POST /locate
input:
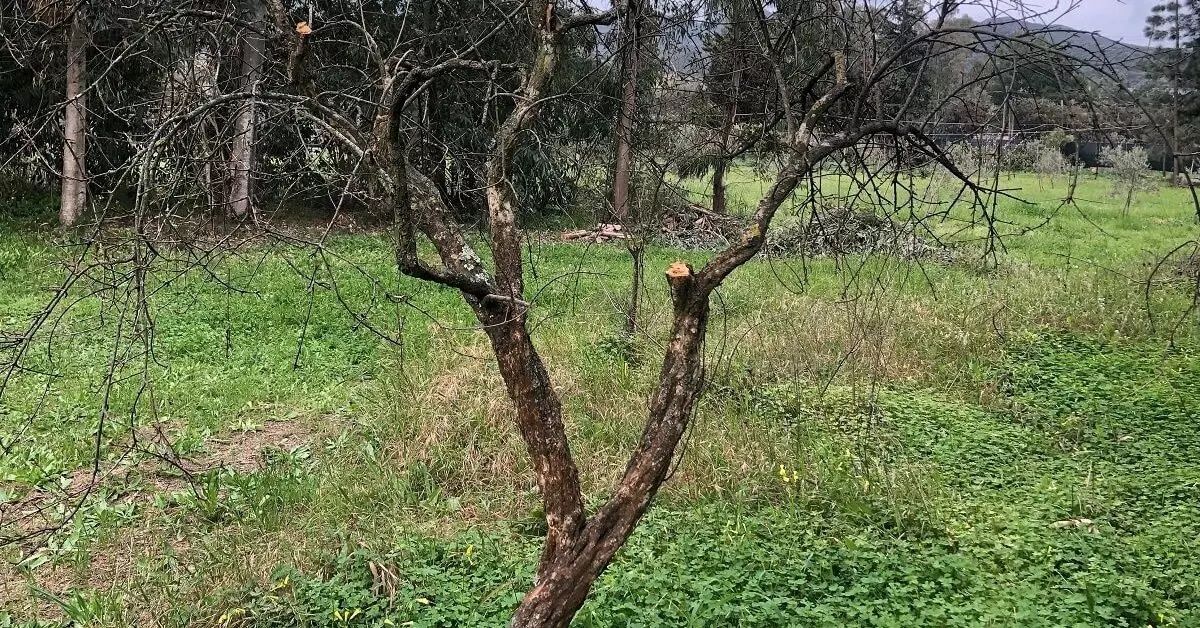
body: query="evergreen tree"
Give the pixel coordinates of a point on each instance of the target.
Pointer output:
(1175, 28)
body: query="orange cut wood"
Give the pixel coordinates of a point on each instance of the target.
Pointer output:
(679, 269)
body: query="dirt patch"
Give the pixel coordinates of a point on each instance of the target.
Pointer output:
(245, 451)
(148, 466)
(108, 568)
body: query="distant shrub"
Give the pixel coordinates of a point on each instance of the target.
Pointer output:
(977, 162)
(1049, 161)
(1131, 170)
(1019, 157)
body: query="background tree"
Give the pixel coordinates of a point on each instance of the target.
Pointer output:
(630, 45)
(738, 84)
(241, 161)
(69, 19)
(1178, 25)
(75, 178)
(1129, 164)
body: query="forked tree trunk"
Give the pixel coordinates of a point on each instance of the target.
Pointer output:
(241, 158)
(74, 172)
(577, 551)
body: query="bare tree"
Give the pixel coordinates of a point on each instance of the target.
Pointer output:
(728, 64)
(824, 81)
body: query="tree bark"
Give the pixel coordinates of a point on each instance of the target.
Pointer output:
(718, 185)
(629, 81)
(241, 159)
(566, 576)
(622, 170)
(638, 252)
(1175, 86)
(539, 412)
(540, 421)
(74, 172)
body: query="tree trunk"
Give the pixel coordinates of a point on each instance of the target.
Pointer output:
(622, 170)
(540, 421)
(1175, 86)
(565, 576)
(74, 172)
(718, 184)
(241, 159)
(637, 252)
(629, 81)
(718, 202)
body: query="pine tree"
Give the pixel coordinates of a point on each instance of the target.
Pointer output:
(1175, 27)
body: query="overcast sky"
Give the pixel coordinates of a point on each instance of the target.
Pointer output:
(1116, 19)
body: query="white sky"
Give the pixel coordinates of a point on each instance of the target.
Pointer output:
(1116, 19)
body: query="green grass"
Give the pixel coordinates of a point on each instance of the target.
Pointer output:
(883, 442)
(1092, 230)
(1033, 519)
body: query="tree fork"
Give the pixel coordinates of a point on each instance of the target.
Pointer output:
(566, 574)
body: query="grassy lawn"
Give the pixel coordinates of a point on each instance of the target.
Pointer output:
(883, 442)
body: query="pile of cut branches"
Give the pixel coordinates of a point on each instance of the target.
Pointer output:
(691, 226)
(603, 232)
(837, 230)
(831, 230)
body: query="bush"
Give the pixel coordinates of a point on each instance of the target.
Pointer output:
(1131, 169)
(1049, 160)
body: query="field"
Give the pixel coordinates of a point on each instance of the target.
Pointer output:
(882, 442)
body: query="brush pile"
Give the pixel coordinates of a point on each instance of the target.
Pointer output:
(843, 231)
(691, 226)
(1185, 269)
(687, 226)
(603, 232)
(831, 230)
